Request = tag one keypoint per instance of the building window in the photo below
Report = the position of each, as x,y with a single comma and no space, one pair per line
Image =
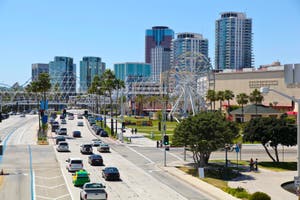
259,84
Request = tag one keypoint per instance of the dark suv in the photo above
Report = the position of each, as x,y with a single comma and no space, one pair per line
86,149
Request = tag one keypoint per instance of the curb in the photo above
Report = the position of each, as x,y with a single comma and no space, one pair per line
206,188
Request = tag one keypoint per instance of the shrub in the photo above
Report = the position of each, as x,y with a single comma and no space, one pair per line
259,196
238,192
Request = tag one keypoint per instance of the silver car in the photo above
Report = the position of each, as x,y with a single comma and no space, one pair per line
62,147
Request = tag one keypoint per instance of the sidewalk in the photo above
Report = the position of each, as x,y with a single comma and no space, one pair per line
265,180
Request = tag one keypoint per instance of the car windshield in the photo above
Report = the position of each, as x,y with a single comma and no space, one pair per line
111,170
63,144
104,145
63,129
87,146
76,161
94,185
96,157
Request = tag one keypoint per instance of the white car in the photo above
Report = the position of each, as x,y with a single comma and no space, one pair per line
62,146
74,164
80,123
96,142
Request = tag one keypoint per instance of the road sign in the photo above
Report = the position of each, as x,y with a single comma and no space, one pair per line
297,181
44,105
99,118
237,148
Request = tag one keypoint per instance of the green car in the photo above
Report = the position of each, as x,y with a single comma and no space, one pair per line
80,178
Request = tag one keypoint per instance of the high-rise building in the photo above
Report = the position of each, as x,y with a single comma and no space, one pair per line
158,49
132,71
188,43
89,68
63,73
233,41
37,69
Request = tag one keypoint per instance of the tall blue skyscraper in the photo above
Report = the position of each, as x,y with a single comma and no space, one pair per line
233,41
158,48
188,43
37,69
63,73
89,67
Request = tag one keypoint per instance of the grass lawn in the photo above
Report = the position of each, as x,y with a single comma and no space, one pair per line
214,177
170,126
279,166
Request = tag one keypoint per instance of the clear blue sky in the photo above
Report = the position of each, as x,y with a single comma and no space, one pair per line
37,30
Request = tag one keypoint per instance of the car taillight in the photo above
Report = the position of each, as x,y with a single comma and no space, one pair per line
106,195
85,196
70,165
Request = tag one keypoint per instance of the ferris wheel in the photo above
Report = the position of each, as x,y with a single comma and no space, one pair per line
193,78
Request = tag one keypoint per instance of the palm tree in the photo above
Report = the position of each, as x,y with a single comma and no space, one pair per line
108,84
220,97
211,96
242,99
256,98
228,95
56,90
120,84
140,100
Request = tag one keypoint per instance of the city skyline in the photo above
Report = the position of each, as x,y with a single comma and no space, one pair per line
116,34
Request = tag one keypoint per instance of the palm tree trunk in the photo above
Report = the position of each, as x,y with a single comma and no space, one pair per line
111,114
243,113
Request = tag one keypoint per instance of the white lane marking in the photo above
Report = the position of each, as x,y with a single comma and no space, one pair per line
152,162
48,187
33,185
48,178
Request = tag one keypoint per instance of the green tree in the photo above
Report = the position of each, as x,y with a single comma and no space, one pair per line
256,98
108,84
211,96
56,91
96,89
270,131
140,100
204,133
220,97
44,84
242,99
228,95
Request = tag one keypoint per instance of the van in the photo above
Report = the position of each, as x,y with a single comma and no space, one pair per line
74,164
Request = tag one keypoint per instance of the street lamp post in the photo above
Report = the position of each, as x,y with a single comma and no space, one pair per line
265,90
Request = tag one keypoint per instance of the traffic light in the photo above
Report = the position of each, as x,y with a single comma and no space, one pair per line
166,140
0,117
64,112
159,126
123,125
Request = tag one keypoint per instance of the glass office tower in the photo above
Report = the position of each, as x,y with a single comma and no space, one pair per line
233,48
188,42
158,48
63,73
132,70
89,67
37,69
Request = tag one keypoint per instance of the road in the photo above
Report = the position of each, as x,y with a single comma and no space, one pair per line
141,178
33,172
39,171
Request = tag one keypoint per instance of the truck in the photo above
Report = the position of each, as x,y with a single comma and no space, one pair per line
93,191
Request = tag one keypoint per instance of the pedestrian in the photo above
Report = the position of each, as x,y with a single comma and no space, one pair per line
251,164
157,144
132,131
255,164
135,130
161,144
